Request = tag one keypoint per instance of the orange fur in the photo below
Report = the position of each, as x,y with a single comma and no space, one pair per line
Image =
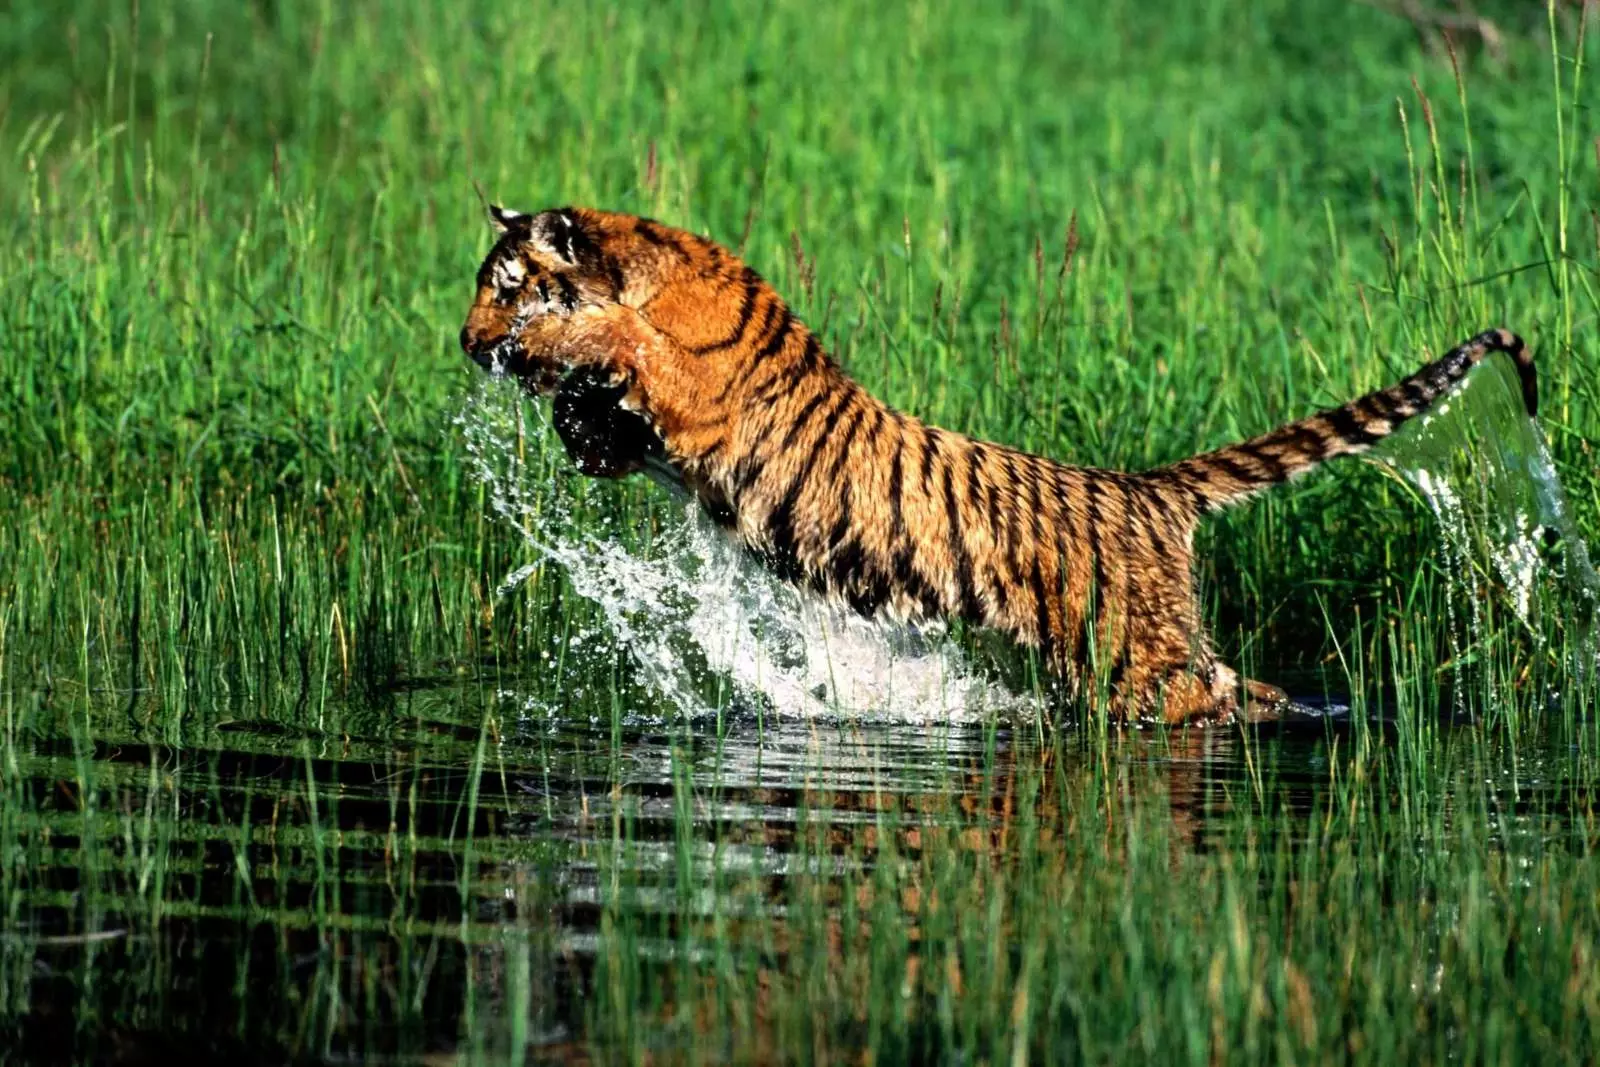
657,342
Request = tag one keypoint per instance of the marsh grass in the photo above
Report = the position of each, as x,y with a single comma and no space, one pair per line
287,776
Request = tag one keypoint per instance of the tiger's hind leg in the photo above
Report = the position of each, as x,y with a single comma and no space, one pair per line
1202,692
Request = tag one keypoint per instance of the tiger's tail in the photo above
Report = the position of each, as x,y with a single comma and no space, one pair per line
1217,479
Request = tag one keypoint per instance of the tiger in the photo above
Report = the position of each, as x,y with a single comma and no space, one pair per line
663,352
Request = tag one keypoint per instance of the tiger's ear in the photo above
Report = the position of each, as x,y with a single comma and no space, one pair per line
558,234
505,220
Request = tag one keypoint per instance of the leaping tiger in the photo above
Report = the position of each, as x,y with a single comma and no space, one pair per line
662,347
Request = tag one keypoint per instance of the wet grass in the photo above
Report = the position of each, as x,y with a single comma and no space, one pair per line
286,777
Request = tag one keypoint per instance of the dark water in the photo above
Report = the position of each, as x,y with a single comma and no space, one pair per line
434,880
264,892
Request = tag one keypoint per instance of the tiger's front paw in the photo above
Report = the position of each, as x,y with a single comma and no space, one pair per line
604,438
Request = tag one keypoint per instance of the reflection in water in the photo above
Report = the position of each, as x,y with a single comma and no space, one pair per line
449,882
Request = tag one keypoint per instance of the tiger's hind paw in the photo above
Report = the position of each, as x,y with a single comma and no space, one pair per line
1264,702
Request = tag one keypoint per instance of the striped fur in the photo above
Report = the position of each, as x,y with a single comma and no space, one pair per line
662,345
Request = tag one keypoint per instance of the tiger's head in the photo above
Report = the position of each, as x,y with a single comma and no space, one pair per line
533,289
670,326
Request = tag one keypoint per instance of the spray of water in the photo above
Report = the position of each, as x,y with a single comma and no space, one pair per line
1483,467
695,614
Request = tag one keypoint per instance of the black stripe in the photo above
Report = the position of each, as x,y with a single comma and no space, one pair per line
1156,525
1035,504
1192,477
747,310
851,573
1041,613
785,375
561,236
916,588
660,236
975,496
737,379
974,456
801,419
930,451
804,472
1235,470
1013,514
877,425
843,453
897,519
822,578
1128,603
998,518
971,608
650,230
1102,585
582,246
1275,466
1378,405
1309,441
841,524
780,385
828,422
750,466
1344,424
864,585
779,335
784,555
811,355
613,271
569,292
745,473
1158,508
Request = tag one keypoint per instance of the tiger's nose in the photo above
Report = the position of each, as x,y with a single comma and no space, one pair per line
472,344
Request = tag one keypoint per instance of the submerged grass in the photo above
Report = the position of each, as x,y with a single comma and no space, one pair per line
287,775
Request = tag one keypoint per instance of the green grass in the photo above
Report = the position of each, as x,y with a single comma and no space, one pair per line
251,651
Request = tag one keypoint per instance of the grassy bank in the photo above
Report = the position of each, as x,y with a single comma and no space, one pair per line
247,578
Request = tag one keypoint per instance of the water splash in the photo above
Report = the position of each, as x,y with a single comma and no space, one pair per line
1483,467
694,613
